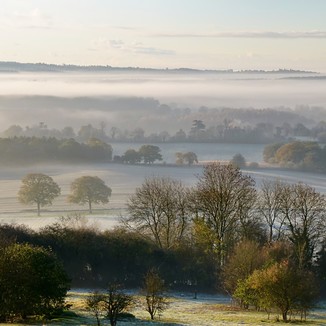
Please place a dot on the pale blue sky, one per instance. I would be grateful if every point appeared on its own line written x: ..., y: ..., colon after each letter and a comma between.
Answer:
x: 206, y: 34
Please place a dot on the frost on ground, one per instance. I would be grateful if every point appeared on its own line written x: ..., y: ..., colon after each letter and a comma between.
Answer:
x: 206, y: 310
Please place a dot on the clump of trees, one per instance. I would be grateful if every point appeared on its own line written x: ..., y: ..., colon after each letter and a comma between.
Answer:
x: 231, y: 222
x: 188, y: 158
x: 147, y: 154
x: 29, y: 150
x: 309, y: 156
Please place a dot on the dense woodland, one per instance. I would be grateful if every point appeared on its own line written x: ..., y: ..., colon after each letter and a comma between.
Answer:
x: 224, y: 234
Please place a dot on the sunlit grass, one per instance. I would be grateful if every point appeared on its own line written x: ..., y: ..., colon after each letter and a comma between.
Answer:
x: 180, y: 312
x: 193, y: 312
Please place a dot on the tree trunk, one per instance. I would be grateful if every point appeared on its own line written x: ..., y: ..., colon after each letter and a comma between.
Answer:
x: 38, y: 209
x: 90, y: 206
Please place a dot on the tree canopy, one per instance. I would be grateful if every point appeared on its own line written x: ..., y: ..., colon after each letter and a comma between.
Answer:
x: 32, y: 282
x: 89, y: 190
x: 150, y: 153
x: 39, y: 189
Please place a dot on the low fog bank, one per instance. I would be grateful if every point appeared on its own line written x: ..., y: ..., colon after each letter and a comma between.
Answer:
x: 188, y: 89
x: 130, y: 113
x: 159, y: 101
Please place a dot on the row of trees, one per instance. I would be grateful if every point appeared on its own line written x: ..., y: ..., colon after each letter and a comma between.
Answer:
x: 239, y: 127
x: 308, y: 156
x: 40, y: 189
x: 225, y: 206
x: 225, y: 209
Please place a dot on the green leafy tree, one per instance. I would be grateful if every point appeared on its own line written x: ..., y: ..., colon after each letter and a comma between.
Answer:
x: 32, y: 282
x: 153, y: 290
x: 90, y: 190
x: 39, y: 189
x: 131, y: 156
x: 99, y: 150
x: 150, y: 153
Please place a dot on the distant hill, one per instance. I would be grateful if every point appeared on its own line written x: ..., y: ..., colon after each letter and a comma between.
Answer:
x: 12, y: 67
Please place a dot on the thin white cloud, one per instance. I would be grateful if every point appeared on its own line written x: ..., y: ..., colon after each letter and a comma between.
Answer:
x: 135, y: 47
x: 249, y: 34
x: 32, y: 19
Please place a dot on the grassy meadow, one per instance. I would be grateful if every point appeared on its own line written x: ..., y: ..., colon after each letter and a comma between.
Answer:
x: 183, y: 310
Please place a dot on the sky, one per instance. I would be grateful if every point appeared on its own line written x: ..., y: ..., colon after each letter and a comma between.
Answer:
x: 201, y: 34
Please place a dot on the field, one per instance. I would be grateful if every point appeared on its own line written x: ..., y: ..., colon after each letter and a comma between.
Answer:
x: 123, y: 179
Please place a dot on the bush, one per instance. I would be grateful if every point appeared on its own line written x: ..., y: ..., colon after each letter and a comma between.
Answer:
x: 32, y: 282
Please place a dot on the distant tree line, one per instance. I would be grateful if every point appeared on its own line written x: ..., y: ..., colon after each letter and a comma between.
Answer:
x: 228, y: 130
x: 309, y: 156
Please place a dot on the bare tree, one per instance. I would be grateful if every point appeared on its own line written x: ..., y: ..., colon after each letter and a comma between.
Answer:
x: 304, y: 217
x: 269, y: 207
x: 159, y: 210
x: 115, y: 303
x: 95, y: 304
x: 225, y: 200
